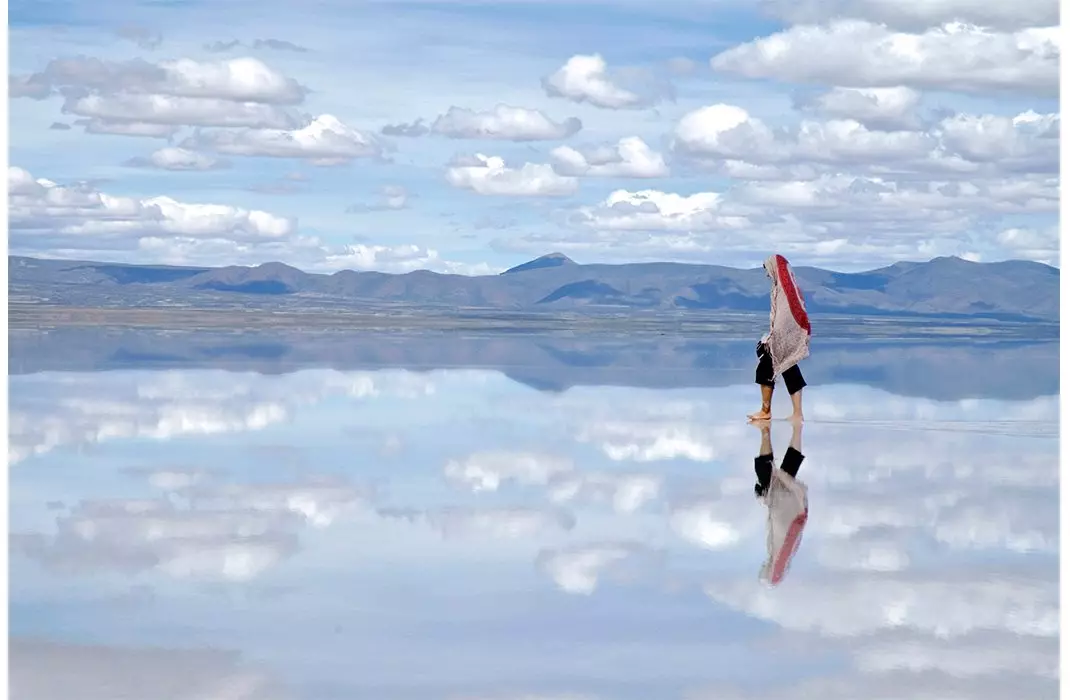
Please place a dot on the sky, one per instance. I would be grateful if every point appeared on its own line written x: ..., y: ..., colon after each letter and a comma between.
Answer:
x: 210, y: 533
x: 467, y: 137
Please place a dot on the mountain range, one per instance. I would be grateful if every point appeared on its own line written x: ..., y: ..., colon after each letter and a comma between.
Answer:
x: 942, y: 287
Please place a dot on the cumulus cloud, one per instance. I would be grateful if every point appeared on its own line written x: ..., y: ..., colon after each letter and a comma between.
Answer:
x: 586, y: 78
x: 225, y: 531
x: 503, y: 123
x: 858, y: 53
x: 47, y: 413
x: 630, y: 157
x: 653, y: 210
x: 578, y: 569
x: 324, y: 140
x: 79, y: 222
x: 828, y: 189
x: 125, y: 109
x: 1007, y: 16
x: 487, y: 471
x: 412, y: 130
x: 39, y: 206
x: 890, y: 109
x: 963, y: 145
x: 119, y: 97
x: 489, y: 175
x: 239, y: 79
x: 178, y: 159
x: 626, y: 493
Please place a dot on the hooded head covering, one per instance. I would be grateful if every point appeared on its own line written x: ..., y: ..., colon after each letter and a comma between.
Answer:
x: 788, y: 339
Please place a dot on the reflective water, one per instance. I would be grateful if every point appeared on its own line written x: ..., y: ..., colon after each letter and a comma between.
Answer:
x: 527, y: 528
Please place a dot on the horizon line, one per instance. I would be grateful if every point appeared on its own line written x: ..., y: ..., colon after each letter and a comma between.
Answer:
x: 189, y: 266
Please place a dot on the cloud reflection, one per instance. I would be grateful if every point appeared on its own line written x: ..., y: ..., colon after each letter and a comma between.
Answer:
x: 928, y: 569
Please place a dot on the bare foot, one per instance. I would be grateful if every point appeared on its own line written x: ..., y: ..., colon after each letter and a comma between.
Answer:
x: 795, y: 418
x: 760, y: 416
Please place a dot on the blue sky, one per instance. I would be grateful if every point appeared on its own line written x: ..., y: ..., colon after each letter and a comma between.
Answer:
x: 334, y: 528
x: 625, y: 131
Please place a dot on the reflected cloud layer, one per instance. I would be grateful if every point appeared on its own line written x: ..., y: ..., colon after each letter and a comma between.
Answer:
x: 333, y: 526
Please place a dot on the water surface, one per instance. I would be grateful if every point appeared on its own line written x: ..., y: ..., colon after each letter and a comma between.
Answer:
x: 525, y: 524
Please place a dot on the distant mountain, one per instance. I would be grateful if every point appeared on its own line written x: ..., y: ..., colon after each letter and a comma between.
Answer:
x: 943, y: 287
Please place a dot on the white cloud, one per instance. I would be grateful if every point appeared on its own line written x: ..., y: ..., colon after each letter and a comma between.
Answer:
x: 43, y: 207
x: 857, y: 53
x: 922, y: 14
x: 503, y: 123
x: 889, y: 108
x: 626, y: 493
x: 868, y: 603
x: 585, y: 78
x: 487, y: 471
x: 578, y: 569
x: 630, y: 157
x: 48, y: 413
x: 239, y: 79
x: 964, y: 145
x: 226, y: 531
x: 489, y: 175
x: 653, y: 210
x: 79, y: 222
x: 172, y: 158
x: 324, y: 140
x: 170, y: 109
x: 1032, y: 244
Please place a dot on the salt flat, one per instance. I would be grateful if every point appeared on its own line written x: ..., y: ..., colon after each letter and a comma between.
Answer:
x: 199, y: 531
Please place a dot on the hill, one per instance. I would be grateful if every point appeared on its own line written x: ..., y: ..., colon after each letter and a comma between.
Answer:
x: 943, y: 287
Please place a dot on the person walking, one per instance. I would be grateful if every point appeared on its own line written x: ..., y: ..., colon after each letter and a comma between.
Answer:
x: 787, y: 342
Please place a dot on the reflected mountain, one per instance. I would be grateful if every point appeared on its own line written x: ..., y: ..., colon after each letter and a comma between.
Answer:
x: 941, y: 370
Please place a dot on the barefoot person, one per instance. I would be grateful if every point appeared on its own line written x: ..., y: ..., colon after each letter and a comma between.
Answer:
x: 786, y: 499
x: 786, y: 343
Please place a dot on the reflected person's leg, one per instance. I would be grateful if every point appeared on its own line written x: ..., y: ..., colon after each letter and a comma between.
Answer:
x: 794, y: 457
x: 793, y: 380
x: 763, y: 376
x: 763, y: 463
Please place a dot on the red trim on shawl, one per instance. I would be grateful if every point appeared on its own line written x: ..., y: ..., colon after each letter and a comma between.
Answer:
x: 794, y: 295
x: 791, y: 545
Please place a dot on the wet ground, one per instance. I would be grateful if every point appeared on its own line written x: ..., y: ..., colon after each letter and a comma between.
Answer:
x: 456, y: 533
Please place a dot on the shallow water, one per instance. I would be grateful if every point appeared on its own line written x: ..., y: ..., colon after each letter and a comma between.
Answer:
x: 194, y: 531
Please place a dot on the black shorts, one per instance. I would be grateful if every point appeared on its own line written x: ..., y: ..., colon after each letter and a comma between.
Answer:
x: 763, y: 373
x: 763, y: 466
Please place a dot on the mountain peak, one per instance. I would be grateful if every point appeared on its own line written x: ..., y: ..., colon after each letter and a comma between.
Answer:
x: 549, y: 260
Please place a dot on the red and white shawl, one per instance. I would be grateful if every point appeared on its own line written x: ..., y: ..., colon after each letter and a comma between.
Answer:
x: 789, y: 509
x: 788, y: 339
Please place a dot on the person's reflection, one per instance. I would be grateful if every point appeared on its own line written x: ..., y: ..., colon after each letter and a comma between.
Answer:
x: 785, y: 498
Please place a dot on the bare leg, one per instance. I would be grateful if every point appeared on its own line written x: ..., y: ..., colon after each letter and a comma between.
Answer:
x: 796, y: 436
x: 767, y: 441
x: 796, y: 407
x: 767, y: 405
